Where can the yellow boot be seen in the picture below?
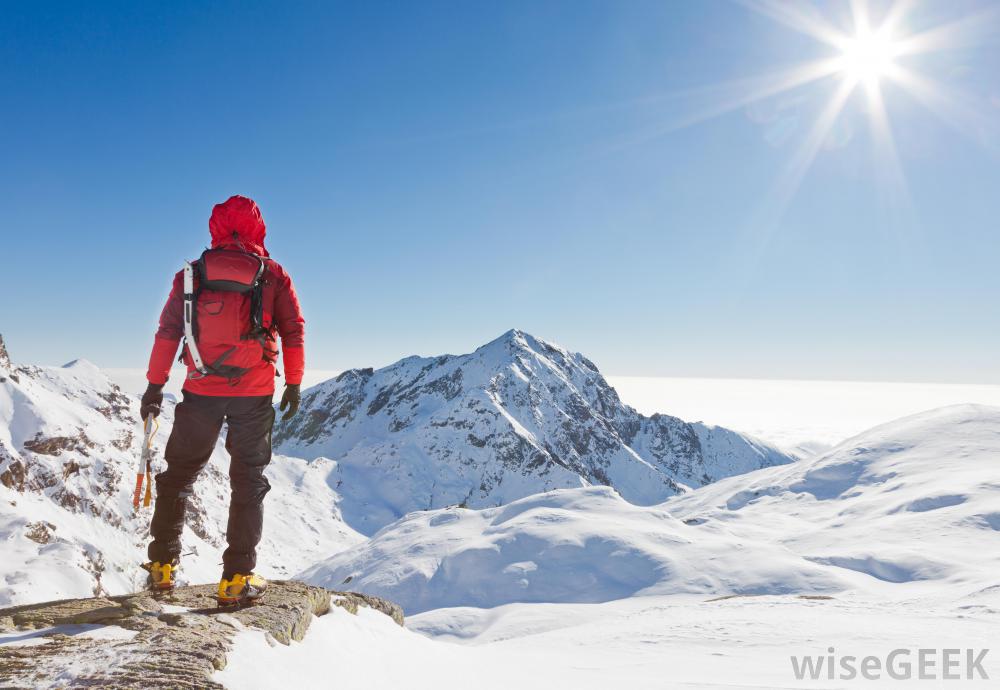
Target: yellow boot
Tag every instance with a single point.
(162, 576)
(241, 589)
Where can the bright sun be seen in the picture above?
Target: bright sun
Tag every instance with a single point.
(865, 55)
(868, 56)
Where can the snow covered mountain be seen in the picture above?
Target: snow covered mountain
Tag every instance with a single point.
(912, 502)
(69, 440)
(516, 417)
(909, 508)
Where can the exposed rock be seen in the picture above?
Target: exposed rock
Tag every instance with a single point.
(5, 365)
(13, 474)
(56, 445)
(352, 600)
(119, 405)
(25, 475)
(39, 532)
(177, 639)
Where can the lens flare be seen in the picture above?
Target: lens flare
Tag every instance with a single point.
(868, 55)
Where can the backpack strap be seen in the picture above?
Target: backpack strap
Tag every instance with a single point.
(189, 323)
(218, 367)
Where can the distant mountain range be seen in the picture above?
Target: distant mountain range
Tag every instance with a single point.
(516, 417)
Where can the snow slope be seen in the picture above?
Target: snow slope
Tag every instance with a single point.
(69, 439)
(914, 503)
(516, 417)
(570, 545)
(640, 643)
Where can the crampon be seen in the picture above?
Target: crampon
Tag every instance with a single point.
(240, 590)
(162, 576)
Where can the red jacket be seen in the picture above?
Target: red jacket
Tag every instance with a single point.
(237, 222)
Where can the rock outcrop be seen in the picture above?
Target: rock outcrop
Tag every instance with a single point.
(176, 640)
(5, 365)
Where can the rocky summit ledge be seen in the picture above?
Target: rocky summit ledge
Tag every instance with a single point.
(176, 639)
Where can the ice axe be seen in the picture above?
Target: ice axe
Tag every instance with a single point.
(145, 468)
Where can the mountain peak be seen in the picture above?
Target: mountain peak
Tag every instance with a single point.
(82, 364)
(517, 416)
(511, 338)
(515, 341)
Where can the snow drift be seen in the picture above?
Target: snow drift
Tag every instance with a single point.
(914, 501)
(569, 545)
(910, 501)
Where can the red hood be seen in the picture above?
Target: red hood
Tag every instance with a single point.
(238, 222)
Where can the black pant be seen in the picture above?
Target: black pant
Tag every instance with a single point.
(198, 420)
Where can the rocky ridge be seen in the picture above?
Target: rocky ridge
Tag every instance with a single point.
(175, 640)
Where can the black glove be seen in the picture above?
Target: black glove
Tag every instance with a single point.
(152, 400)
(290, 399)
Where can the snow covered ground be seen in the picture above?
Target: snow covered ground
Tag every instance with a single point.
(909, 507)
(889, 541)
(572, 545)
(657, 642)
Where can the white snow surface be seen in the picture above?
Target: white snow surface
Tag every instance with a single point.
(67, 526)
(915, 502)
(910, 507)
(570, 545)
(890, 541)
(29, 638)
(640, 643)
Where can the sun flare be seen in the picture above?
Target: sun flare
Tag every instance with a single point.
(871, 47)
(868, 56)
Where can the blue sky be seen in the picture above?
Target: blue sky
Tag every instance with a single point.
(433, 174)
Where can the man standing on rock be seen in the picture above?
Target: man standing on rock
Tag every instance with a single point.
(229, 306)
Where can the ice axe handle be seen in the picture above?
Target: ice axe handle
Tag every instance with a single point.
(150, 425)
(138, 491)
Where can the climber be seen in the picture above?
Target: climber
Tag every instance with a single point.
(229, 306)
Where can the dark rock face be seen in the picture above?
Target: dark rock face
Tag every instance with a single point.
(40, 532)
(164, 648)
(515, 417)
(56, 445)
(5, 364)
